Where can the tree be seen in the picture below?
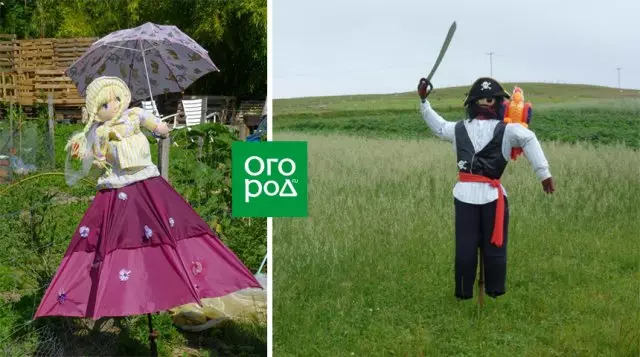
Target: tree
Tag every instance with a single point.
(234, 32)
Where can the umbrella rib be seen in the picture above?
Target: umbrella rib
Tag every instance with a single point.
(175, 43)
(112, 49)
(124, 48)
(101, 62)
(146, 75)
(133, 58)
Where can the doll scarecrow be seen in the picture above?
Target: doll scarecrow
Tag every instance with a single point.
(140, 247)
(483, 144)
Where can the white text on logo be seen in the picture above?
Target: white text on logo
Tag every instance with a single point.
(254, 188)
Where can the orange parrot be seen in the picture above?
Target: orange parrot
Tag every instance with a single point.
(517, 111)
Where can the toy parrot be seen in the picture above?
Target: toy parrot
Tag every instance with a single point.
(517, 111)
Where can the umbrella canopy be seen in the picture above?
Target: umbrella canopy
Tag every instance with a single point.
(152, 59)
(141, 249)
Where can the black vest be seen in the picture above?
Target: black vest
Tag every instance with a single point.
(489, 161)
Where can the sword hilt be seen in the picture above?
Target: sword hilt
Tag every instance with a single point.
(429, 86)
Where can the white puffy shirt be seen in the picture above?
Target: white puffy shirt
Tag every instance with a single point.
(481, 132)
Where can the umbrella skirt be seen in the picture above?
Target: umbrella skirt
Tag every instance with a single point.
(141, 249)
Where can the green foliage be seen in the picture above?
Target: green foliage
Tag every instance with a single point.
(370, 273)
(201, 172)
(228, 339)
(205, 170)
(82, 18)
(236, 32)
(542, 95)
(602, 122)
(597, 126)
(16, 18)
(382, 228)
(74, 23)
(138, 328)
(33, 241)
(233, 32)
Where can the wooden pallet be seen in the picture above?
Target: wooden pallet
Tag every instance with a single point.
(55, 82)
(68, 50)
(33, 55)
(30, 88)
(41, 54)
(30, 69)
(8, 86)
(6, 56)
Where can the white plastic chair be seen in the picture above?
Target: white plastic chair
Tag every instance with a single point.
(193, 112)
(151, 107)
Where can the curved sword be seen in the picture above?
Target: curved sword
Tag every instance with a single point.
(443, 50)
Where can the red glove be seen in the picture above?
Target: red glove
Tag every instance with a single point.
(548, 185)
(424, 88)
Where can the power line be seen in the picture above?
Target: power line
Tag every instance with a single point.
(490, 63)
(619, 88)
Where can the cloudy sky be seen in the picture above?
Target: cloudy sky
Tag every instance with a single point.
(336, 47)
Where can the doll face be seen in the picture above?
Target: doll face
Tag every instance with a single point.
(109, 110)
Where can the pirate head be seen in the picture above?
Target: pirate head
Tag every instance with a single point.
(484, 99)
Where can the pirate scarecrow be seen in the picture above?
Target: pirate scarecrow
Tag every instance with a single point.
(483, 143)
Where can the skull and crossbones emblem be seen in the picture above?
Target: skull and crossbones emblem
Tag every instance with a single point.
(485, 85)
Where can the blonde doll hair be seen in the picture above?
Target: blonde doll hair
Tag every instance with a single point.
(100, 91)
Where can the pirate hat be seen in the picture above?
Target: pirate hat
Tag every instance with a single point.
(485, 87)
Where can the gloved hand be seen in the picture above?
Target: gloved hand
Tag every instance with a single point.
(548, 185)
(424, 88)
(162, 130)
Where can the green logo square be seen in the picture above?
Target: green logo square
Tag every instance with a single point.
(269, 179)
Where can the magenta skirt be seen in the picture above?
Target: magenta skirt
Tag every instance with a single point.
(141, 249)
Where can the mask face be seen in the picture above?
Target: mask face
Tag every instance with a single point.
(486, 102)
(484, 108)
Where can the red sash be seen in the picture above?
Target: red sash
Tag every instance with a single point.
(496, 238)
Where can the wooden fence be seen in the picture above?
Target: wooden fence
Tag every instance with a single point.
(33, 70)
(248, 116)
(30, 70)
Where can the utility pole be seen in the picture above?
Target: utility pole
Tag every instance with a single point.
(618, 68)
(490, 63)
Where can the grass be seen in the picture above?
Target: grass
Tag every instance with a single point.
(540, 94)
(370, 271)
(565, 113)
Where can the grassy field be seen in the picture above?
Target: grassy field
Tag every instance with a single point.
(541, 94)
(32, 244)
(563, 113)
(370, 272)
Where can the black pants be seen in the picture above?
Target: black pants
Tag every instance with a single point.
(474, 227)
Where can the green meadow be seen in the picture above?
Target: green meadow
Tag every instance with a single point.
(370, 271)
